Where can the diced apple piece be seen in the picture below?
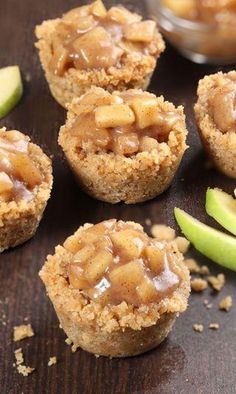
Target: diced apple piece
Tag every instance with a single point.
(76, 13)
(122, 15)
(140, 31)
(84, 254)
(148, 144)
(59, 60)
(222, 105)
(98, 9)
(96, 267)
(95, 49)
(76, 278)
(145, 110)
(128, 243)
(155, 259)
(114, 115)
(126, 144)
(96, 98)
(6, 187)
(73, 244)
(127, 275)
(146, 291)
(25, 169)
(85, 23)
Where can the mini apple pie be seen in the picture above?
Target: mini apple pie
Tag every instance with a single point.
(116, 291)
(25, 186)
(216, 117)
(89, 45)
(124, 146)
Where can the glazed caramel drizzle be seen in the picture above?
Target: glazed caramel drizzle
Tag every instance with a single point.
(113, 262)
(18, 174)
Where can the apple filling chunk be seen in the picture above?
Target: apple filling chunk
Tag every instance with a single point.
(89, 38)
(19, 175)
(222, 106)
(120, 263)
(124, 123)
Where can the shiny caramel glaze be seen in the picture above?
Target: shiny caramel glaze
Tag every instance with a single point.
(123, 122)
(90, 37)
(19, 175)
(222, 104)
(115, 261)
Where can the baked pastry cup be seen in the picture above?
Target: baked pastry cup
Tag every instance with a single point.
(25, 186)
(124, 146)
(116, 291)
(215, 112)
(89, 45)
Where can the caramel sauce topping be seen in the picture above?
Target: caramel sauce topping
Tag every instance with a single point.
(125, 123)
(90, 37)
(114, 262)
(19, 175)
(222, 106)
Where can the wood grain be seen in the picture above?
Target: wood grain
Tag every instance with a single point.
(187, 362)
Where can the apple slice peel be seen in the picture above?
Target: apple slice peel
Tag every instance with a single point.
(217, 246)
(11, 89)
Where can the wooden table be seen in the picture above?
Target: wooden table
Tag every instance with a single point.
(187, 362)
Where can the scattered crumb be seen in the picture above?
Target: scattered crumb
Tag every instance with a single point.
(22, 332)
(68, 341)
(97, 355)
(19, 356)
(226, 303)
(162, 232)
(198, 327)
(209, 306)
(182, 244)
(198, 284)
(25, 371)
(205, 302)
(52, 361)
(74, 348)
(192, 265)
(22, 369)
(148, 222)
(217, 282)
(214, 326)
(204, 270)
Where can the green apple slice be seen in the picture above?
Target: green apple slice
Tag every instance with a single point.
(212, 243)
(10, 89)
(222, 207)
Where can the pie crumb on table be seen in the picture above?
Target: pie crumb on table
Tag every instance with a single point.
(23, 331)
(226, 303)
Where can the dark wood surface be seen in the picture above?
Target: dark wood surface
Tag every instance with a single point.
(187, 362)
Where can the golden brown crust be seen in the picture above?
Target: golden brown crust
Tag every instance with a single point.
(19, 220)
(221, 147)
(113, 330)
(113, 178)
(136, 72)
